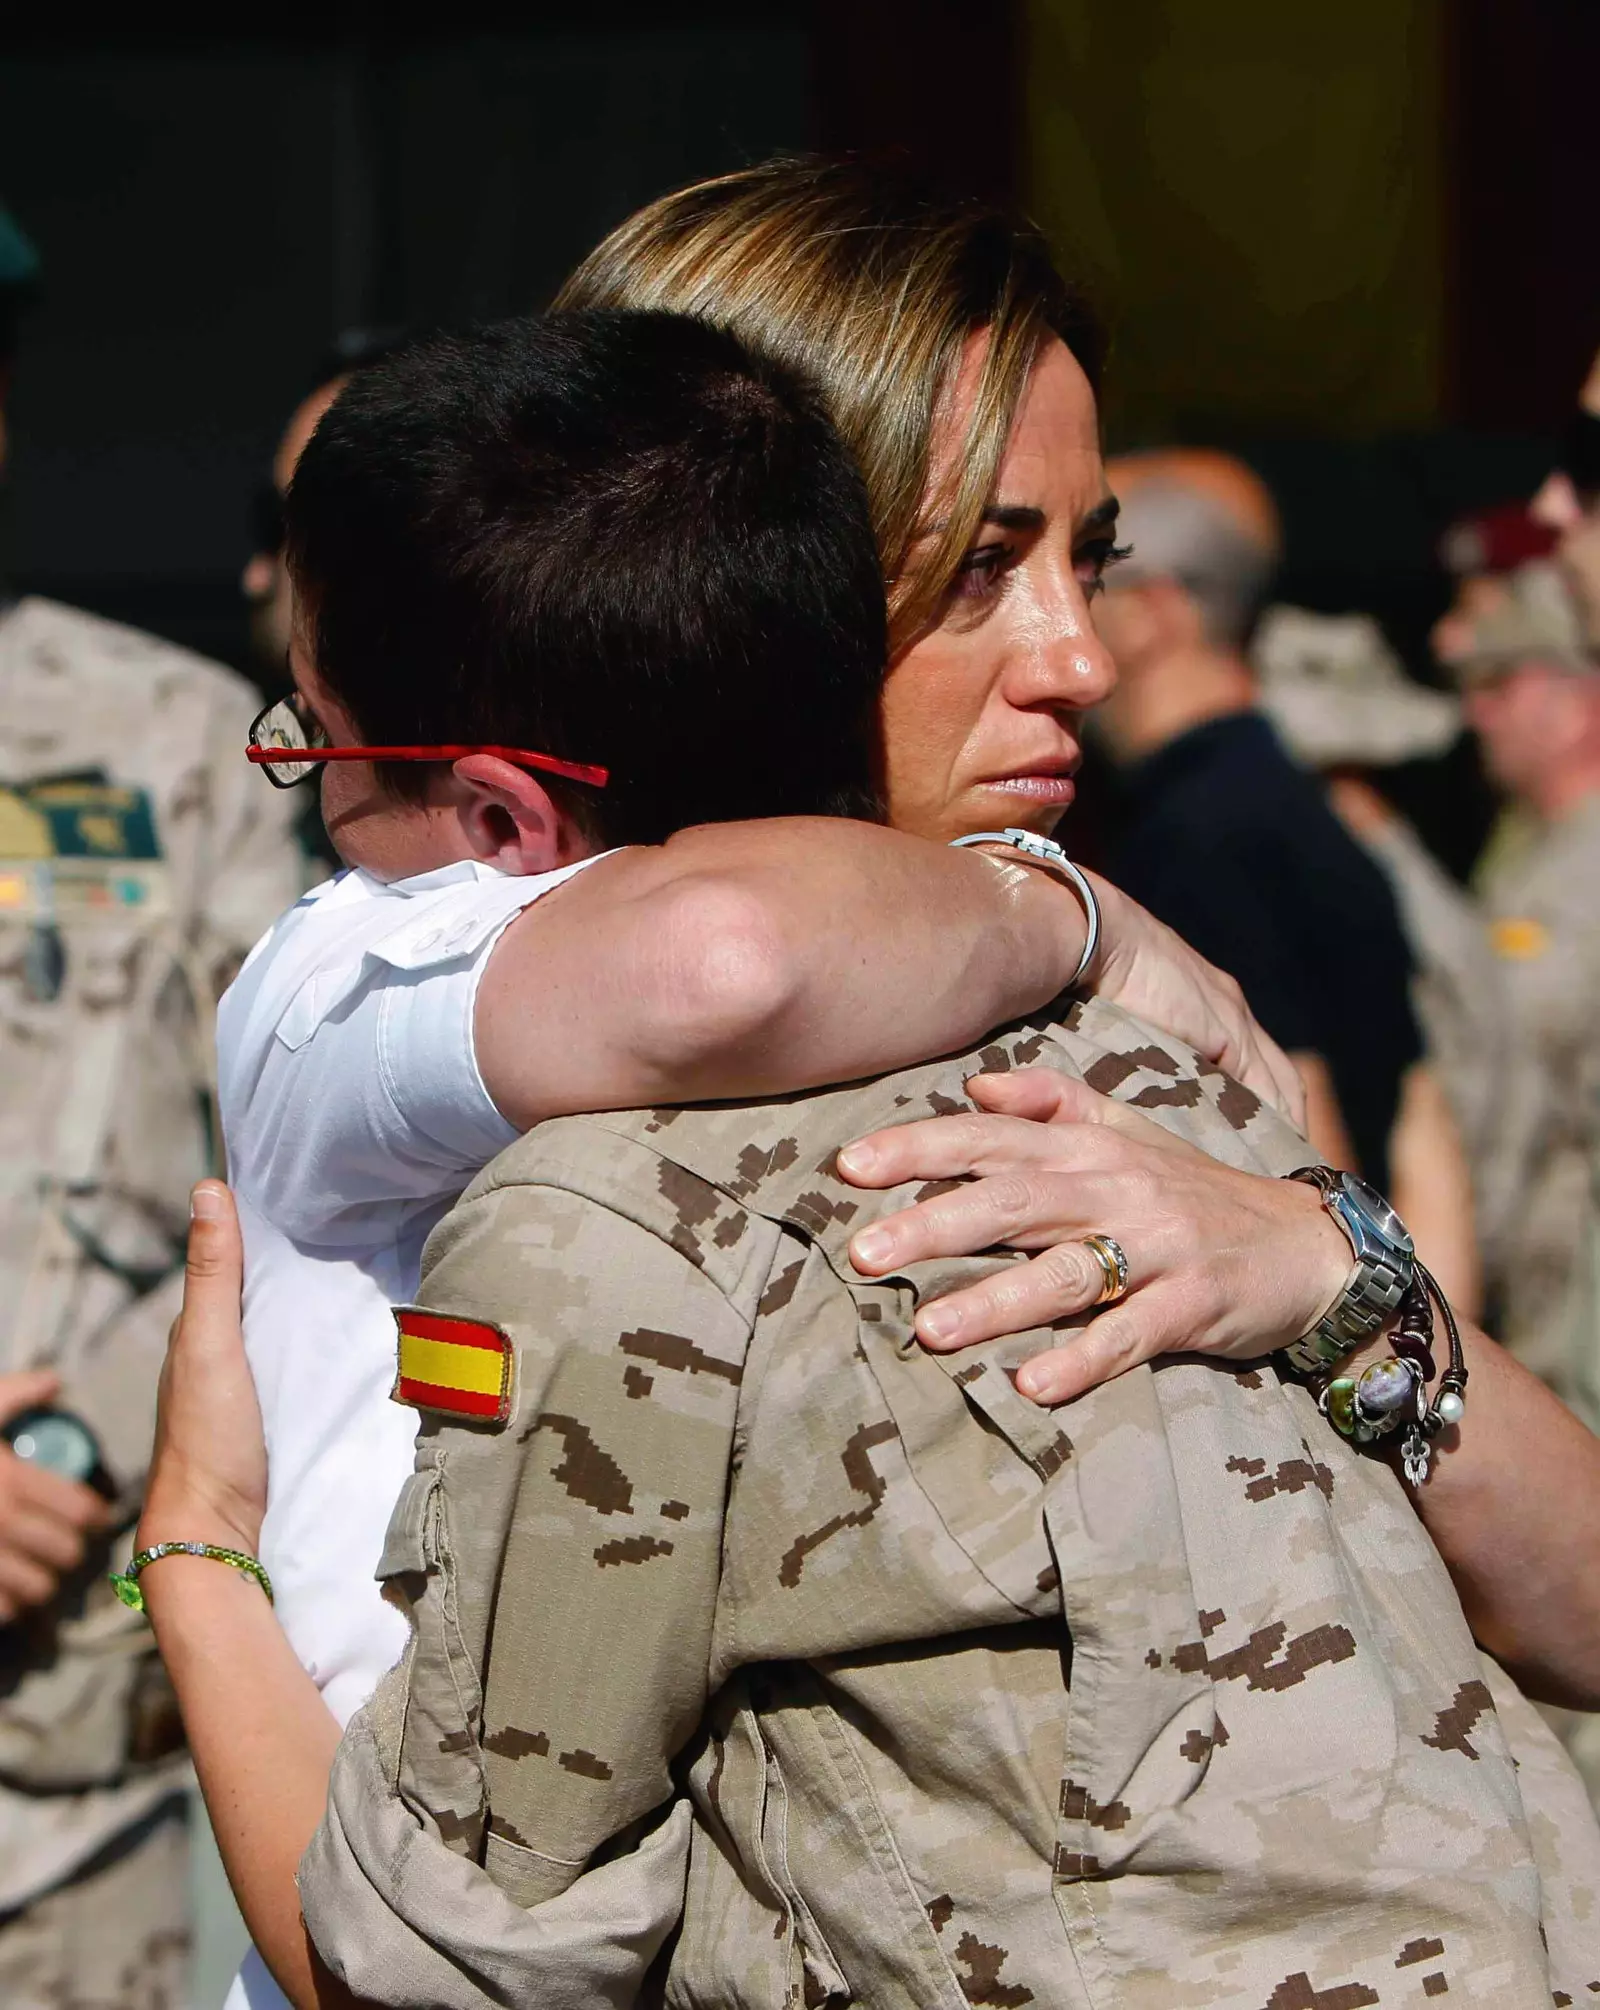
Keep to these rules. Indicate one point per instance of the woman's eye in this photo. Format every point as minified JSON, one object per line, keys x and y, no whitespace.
{"x":980,"y":571}
{"x":1095,"y":560}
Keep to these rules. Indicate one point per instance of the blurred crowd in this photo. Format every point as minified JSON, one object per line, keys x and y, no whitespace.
{"x":1447,"y":1033}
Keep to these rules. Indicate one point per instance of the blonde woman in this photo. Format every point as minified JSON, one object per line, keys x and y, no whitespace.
{"x":960,"y":370}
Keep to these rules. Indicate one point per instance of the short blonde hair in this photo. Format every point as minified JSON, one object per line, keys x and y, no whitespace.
{"x":869,"y":285}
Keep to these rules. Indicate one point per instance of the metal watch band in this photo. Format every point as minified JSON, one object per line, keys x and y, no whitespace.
{"x":1046,"y":852}
{"x":1372,"y":1294}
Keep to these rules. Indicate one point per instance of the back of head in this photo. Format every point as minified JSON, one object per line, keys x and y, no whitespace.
{"x":869,"y":282}
{"x":615,"y":538}
{"x":1205,"y":521}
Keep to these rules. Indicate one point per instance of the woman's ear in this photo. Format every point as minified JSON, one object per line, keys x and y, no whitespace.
{"x":510,"y":821}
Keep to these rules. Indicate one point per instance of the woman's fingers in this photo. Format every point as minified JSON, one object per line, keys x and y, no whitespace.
{"x":1113,"y":1342}
{"x":214,"y":1276}
{"x":977,"y":1146}
{"x":1023,"y":1210}
{"x":1035,"y":1117}
{"x":1045,"y":1096}
{"x":1041,"y":1095}
{"x":208,"y":1476}
{"x":1063,"y":1280}
{"x":1285,"y":1091}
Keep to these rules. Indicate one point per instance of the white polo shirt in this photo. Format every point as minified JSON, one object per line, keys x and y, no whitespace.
{"x":354,"y":1116}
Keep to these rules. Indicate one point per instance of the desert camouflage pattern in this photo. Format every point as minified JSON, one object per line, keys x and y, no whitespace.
{"x":1543,"y":897}
{"x":140,"y":856}
{"x":116,"y":1935}
{"x":764,"y":1659}
{"x":1459,"y":993}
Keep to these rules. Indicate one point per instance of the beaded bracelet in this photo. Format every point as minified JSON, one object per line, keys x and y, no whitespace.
{"x":126,"y":1583}
{"x":1393,"y":1392}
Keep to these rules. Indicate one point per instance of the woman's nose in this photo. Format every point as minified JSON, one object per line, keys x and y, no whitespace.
{"x":1067,"y":664}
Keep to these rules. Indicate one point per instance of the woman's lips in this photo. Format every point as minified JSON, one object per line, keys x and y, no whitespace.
{"x":1056,"y":790}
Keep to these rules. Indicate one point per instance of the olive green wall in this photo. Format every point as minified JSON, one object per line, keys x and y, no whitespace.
{"x":1253,"y":189}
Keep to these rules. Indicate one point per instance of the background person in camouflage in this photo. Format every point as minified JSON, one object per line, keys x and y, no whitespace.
{"x":1532,"y":696}
{"x":1342,"y":704}
{"x":137,"y":865}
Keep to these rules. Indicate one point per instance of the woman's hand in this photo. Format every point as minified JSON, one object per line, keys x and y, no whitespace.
{"x":1150,"y":971}
{"x":208,"y":1474}
{"x":1220,"y":1262}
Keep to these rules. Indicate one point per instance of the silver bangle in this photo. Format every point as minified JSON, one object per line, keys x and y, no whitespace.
{"x":1046,"y":852}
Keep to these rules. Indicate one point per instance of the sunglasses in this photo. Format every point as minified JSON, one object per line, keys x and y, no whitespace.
{"x":288,"y":745}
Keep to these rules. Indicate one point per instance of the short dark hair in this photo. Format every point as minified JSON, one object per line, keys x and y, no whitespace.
{"x":617,"y":538}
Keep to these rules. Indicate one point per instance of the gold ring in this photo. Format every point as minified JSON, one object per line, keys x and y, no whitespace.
{"x":1113,"y":1261}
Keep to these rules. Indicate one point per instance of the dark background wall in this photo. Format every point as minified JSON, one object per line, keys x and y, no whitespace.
{"x":1356,"y":241}
{"x":210,"y":212}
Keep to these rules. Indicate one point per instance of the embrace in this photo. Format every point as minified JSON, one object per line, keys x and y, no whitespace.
{"x":859,"y":1546}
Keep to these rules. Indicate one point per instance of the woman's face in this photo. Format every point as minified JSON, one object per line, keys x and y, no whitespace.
{"x":980,"y":718}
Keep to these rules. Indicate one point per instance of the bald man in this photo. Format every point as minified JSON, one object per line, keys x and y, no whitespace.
{"x":1236,"y":846}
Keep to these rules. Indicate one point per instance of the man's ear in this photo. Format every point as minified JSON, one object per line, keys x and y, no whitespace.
{"x":511,"y":821}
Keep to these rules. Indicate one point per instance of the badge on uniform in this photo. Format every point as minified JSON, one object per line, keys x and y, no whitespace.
{"x":453,"y":1367}
{"x":75,"y":850}
{"x":1519,"y":939}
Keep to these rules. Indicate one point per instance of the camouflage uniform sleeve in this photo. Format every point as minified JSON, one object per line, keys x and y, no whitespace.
{"x":508,"y":1795}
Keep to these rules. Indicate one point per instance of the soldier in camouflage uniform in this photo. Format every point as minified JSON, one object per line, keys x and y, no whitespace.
{"x":1533,"y":696}
{"x":1342,"y":703}
{"x":761,"y":1657}
{"x":138,"y":862}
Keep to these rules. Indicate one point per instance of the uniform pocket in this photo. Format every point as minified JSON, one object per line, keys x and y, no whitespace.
{"x":441,"y":1760}
{"x":815,"y":1977}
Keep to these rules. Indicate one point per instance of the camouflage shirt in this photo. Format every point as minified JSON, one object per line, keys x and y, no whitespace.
{"x":1459,"y":992}
{"x":761,"y":1658}
{"x":140,"y":856}
{"x":1543,"y":897}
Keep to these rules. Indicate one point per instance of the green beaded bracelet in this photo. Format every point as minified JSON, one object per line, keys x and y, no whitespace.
{"x":126,"y":1583}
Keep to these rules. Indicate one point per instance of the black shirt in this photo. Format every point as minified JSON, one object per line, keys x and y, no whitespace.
{"x":1237,"y":848}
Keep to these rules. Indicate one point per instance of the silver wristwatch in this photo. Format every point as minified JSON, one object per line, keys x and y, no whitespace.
{"x":1385,"y":1261}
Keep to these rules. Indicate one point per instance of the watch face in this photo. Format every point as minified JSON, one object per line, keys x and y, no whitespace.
{"x":56,"y":1440}
{"x":1379,"y":1216}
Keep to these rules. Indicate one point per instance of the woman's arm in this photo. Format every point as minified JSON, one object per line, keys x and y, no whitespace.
{"x":263,"y":1740}
{"x":1234,"y":1264}
{"x":745,"y":960}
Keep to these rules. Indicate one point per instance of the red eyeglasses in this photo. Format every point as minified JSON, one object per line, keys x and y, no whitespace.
{"x":288,"y":746}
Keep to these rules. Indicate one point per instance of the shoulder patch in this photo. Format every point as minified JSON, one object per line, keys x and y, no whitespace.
{"x":456,"y":1367}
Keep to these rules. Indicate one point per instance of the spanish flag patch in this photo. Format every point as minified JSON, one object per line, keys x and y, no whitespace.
{"x":457,"y":1367}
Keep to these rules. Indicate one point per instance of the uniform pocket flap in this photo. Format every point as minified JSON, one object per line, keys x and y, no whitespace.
{"x":409,"y":1545}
